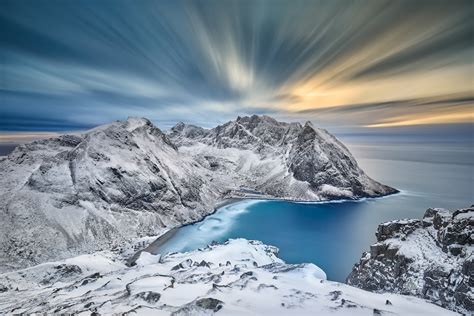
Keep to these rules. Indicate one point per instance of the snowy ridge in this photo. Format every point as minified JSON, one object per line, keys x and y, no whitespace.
{"x":239,"y":277}
{"x":69,"y":195}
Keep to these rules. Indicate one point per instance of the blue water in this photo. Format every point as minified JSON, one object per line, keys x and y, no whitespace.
{"x":333,"y":235}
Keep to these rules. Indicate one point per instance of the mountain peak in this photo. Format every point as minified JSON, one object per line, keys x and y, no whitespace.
{"x":309,"y":124}
{"x":179,"y":126}
{"x":256,"y":119}
{"x":136,"y":122}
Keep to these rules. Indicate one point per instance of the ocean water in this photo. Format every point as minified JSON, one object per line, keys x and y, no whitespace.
{"x":334,"y":235}
{"x":6,"y":149}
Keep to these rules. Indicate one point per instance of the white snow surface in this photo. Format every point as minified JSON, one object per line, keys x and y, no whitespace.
{"x":239,"y":277}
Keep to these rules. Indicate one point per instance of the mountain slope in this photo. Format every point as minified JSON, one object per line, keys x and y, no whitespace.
{"x":239,"y":277}
{"x":75,"y":194}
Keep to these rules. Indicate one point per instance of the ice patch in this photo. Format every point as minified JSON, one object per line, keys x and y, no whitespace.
{"x":212,"y":228}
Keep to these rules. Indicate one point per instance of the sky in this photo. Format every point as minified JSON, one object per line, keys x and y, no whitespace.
{"x":345,"y":65}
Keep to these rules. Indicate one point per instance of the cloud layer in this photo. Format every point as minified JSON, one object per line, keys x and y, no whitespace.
{"x":70,"y":65}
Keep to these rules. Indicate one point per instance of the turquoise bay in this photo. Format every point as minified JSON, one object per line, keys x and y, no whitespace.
{"x":334,"y":235}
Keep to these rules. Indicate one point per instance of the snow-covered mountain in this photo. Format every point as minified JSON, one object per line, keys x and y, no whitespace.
{"x":432,"y":258}
{"x":75,"y":194}
{"x":239,"y":277}
{"x":287,"y":160}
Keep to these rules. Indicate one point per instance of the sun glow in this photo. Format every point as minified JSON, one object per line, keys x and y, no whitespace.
{"x":462,"y":117}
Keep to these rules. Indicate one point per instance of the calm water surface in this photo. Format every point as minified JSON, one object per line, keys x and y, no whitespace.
{"x":333,"y":235}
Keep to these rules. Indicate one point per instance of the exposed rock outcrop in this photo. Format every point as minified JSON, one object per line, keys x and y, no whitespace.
{"x":432,"y":258}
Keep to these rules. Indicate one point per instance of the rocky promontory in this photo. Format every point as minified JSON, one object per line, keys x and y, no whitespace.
{"x":431,"y":258}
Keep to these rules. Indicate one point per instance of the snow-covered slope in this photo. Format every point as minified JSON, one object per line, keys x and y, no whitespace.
{"x":432,"y":258}
{"x":73,"y":194}
{"x":239,"y":277}
{"x":76,"y":194}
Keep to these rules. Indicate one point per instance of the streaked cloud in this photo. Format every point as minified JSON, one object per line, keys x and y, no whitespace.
{"x":23,"y":137}
{"x":465,"y":115}
{"x":72,"y":65}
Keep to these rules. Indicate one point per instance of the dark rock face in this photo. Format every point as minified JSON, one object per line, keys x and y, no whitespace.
{"x":203,"y":306}
{"x":149,"y":296}
{"x":209,"y":303}
{"x":183,"y":265}
{"x":62,"y":272}
{"x":188,"y":131}
{"x":431,"y":258}
{"x":397,"y":229}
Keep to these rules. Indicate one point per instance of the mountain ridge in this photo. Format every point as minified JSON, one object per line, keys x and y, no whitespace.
{"x":313,"y":155}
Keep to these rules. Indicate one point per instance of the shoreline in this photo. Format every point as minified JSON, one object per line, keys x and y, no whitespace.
{"x":276,"y":199}
{"x":154,"y":247}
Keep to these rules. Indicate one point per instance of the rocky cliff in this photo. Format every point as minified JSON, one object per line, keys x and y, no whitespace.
{"x":432,"y":258}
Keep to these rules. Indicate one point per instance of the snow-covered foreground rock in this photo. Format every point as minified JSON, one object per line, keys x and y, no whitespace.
{"x":69,"y":195}
{"x":432,"y":258}
{"x":239,"y":277}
